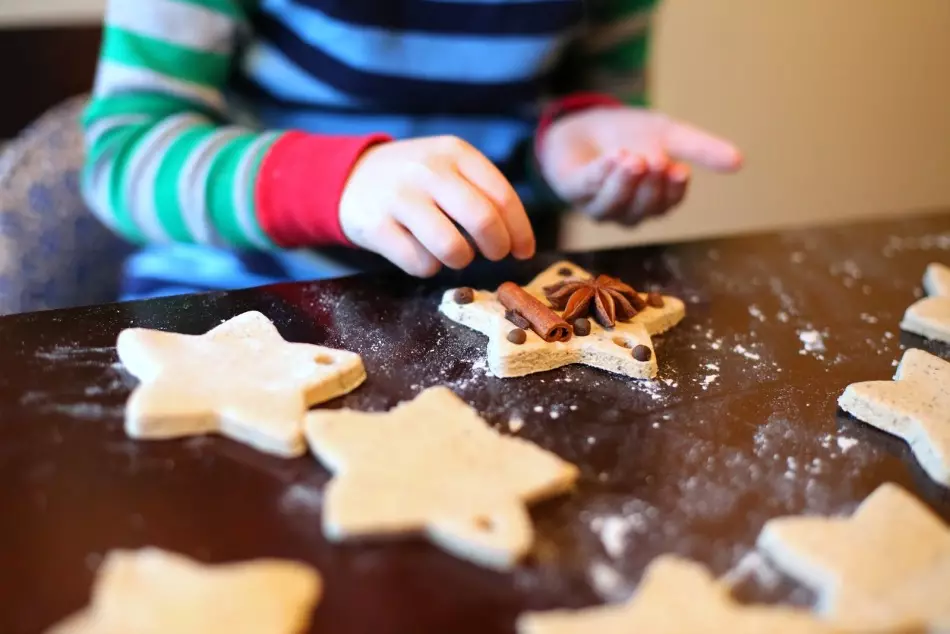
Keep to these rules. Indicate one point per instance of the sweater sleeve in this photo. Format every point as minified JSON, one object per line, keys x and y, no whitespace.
{"x":164,"y":163}
{"x":614,"y":49}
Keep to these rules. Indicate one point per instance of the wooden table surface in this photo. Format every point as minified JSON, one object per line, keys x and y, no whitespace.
{"x":741,"y":427}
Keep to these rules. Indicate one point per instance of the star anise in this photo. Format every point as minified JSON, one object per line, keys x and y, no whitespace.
{"x":607,"y":298}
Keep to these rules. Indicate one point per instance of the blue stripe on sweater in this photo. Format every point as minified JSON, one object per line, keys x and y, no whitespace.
{"x":399,"y":93}
{"x":498,"y":17}
{"x":429,"y":56}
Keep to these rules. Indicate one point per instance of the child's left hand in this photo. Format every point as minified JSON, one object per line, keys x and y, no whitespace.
{"x":626,"y":164}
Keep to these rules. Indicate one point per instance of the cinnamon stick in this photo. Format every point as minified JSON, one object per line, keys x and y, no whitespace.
{"x":544,"y":321}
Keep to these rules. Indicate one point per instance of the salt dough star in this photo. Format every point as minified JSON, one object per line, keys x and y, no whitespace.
{"x":915,"y":407}
{"x":930,"y":317}
{"x":886,"y":568}
{"x":676,"y":596}
{"x":241,"y":379}
{"x":151,"y":591}
{"x":605,"y":349}
{"x":433,"y":466}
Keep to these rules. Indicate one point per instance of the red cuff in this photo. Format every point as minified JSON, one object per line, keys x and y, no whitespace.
{"x":566,"y":105}
{"x":300,"y":184}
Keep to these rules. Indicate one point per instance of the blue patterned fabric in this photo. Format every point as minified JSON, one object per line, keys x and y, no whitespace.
{"x":53,"y":251}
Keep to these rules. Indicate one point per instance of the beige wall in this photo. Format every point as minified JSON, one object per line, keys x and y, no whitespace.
{"x":842,"y":108}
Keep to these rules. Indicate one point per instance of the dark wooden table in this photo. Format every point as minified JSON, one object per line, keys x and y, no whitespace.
{"x":743,"y":427}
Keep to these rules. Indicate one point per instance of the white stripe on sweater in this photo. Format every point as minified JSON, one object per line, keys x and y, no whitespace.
{"x":142,"y":171}
{"x":187,"y":25}
{"x":243,"y":204}
{"x":193,"y":184}
{"x":113,"y":78}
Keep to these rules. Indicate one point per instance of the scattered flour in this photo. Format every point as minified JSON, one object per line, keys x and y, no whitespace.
{"x":515,"y":424}
{"x":756,"y":312}
{"x":609,"y":584}
{"x":845,"y":443}
{"x":868,"y":319}
{"x":745,"y":352}
{"x":812,"y":342}
{"x":708,"y":380}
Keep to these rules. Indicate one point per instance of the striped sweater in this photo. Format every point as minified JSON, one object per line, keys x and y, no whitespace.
{"x":236,"y":122}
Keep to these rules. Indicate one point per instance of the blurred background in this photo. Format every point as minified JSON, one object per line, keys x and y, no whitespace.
{"x":842,"y":106}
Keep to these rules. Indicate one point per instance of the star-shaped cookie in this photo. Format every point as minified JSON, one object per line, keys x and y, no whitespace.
{"x":432,"y":466}
{"x":605,"y":349}
{"x":930,"y":317}
{"x":915,"y":406}
{"x":151,"y":591}
{"x":676,"y":596}
{"x":241,"y":379}
{"x":886,"y":568}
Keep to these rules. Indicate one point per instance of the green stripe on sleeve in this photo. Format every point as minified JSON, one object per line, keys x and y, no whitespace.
{"x":167,"y":202}
{"x":221,"y":183}
{"x":139,"y":51}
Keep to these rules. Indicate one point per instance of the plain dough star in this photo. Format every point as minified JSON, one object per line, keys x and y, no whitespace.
{"x":151,"y":591}
{"x":886,"y":568}
{"x":915,"y":407}
{"x":605,"y":349}
{"x":241,"y":379}
{"x":676,"y":596}
{"x":432,"y":466}
{"x":930,"y":317}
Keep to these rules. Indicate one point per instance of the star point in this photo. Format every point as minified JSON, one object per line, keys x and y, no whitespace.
{"x":930,"y":317}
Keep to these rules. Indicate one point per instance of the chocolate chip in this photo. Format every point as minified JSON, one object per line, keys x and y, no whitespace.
{"x":565,"y":271}
{"x":582,"y":326}
{"x":517,"y":336}
{"x":517,"y":319}
{"x":655,"y":300}
{"x":464,"y":295}
{"x":642,"y":353}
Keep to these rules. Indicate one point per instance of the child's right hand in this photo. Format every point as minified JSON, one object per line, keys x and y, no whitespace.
{"x":401,"y":198}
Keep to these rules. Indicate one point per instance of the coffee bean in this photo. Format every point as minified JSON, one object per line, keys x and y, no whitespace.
{"x":642,"y":353}
{"x":517,"y":336}
{"x":517,"y":319}
{"x":582,"y":326}
{"x":565,"y":271}
{"x":655,"y":300}
{"x":464,"y":295}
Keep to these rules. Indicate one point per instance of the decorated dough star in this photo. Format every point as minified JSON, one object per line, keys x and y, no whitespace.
{"x":432,"y":466}
{"x":240,"y":379}
{"x":675,"y":597}
{"x":156,"y":592}
{"x":930,"y":317}
{"x":605,"y":349}
{"x":886,"y":568}
{"x":915,"y":406}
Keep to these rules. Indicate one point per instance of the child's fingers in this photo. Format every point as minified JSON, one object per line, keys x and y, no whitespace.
{"x":483,"y":174}
{"x":618,"y":189}
{"x":434,"y":231}
{"x":584,"y":183}
{"x":468,"y":206}
{"x":676,"y":185}
{"x":686,"y":143}
{"x":397,"y":245}
{"x":648,"y":199}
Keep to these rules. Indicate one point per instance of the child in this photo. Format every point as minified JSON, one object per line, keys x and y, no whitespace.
{"x":241,"y":138}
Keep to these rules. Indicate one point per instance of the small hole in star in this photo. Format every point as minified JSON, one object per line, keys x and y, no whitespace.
{"x":323,"y":359}
{"x":623,"y":343}
{"x":484,"y":524}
